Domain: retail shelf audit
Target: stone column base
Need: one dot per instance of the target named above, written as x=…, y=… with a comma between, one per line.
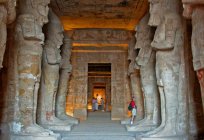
x=33, y=137
x=125, y=121
x=140, y=128
x=164, y=138
x=58, y=127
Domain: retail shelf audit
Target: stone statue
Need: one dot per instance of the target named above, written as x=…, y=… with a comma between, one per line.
x=145, y=59
x=136, y=90
x=28, y=40
x=50, y=76
x=168, y=43
x=7, y=16
x=65, y=71
x=194, y=9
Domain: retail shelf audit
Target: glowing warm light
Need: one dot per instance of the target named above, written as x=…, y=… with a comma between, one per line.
x=97, y=45
x=69, y=113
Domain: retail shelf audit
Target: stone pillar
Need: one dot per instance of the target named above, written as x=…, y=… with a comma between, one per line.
x=145, y=61
x=108, y=94
x=50, y=76
x=168, y=43
x=65, y=71
x=7, y=16
x=135, y=85
x=28, y=40
x=194, y=9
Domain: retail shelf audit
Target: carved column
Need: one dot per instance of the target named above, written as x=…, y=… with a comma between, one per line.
x=145, y=61
x=7, y=16
x=194, y=9
x=28, y=40
x=50, y=76
x=65, y=72
x=135, y=85
x=168, y=43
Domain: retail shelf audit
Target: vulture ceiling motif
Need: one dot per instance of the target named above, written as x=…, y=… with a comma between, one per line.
x=116, y=14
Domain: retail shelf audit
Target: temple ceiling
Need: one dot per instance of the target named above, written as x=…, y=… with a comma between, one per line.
x=114, y=14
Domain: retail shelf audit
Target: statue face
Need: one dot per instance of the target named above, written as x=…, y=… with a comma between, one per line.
x=59, y=39
x=139, y=40
x=155, y=12
x=41, y=10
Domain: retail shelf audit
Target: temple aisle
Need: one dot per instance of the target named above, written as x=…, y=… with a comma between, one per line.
x=98, y=126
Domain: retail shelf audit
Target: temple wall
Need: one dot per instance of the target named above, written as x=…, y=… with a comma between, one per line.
x=78, y=87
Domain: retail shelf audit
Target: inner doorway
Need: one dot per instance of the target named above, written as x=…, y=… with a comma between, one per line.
x=99, y=86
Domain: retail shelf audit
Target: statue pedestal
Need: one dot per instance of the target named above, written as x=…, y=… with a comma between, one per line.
x=69, y=119
x=164, y=138
x=140, y=128
x=58, y=127
x=125, y=121
x=33, y=137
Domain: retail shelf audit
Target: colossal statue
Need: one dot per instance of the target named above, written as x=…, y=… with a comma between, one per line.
x=194, y=9
x=50, y=76
x=65, y=72
x=145, y=59
x=168, y=43
x=136, y=91
x=28, y=40
x=7, y=16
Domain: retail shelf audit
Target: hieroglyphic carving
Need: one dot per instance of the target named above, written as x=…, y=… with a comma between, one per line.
x=7, y=16
x=28, y=40
x=107, y=35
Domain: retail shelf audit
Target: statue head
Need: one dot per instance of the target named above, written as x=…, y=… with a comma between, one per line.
x=144, y=37
x=156, y=11
x=67, y=46
x=54, y=30
x=38, y=8
x=143, y=32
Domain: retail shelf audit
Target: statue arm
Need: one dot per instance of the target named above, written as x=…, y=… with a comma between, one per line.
x=11, y=10
x=188, y=10
x=193, y=1
x=51, y=55
x=168, y=42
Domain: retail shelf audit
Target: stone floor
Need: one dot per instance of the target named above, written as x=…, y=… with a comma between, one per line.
x=98, y=126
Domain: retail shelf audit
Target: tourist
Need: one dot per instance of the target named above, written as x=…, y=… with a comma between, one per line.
x=133, y=111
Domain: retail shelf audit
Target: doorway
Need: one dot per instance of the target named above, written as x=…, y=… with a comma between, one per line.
x=99, y=86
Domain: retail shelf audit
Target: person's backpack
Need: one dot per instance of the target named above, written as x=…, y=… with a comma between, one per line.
x=130, y=107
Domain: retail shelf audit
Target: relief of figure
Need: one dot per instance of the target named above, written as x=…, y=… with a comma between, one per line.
x=135, y=85
x=50, y=76
x=145, y=60
x=194, y=9
x=28, y=40
x=7, y=16
x=65, y=72
x=168, y=43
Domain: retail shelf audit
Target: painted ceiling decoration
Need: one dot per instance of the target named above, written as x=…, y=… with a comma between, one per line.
x=115, y=14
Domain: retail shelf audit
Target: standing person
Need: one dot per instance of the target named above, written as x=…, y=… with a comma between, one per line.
x=96, y=104
x=102, y=104
x=93, y=104
x=133, y=111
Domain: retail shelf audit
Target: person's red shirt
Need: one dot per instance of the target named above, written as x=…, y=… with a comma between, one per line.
x=133, y=104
